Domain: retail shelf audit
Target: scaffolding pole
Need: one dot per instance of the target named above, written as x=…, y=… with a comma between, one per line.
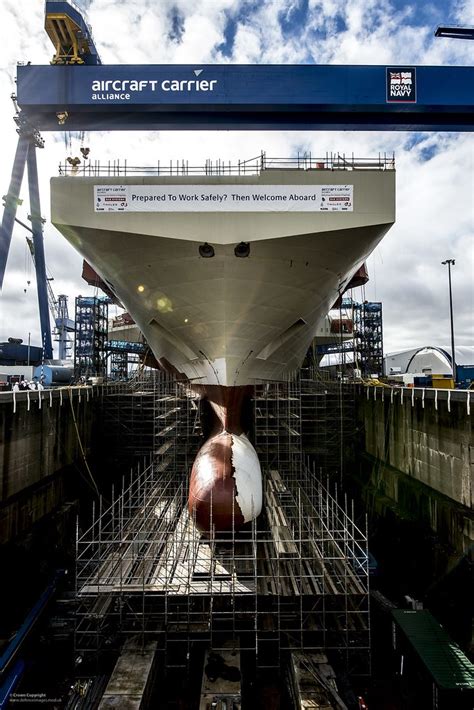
x=296, y=579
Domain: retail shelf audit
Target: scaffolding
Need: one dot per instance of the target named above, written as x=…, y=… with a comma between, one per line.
x=90, y=356
x=119, y=365
x=328, y=421
x=277, y=424
x=64, y=326
x=368, y=338
x=150, y=413
x=295, y=579
x=123, y=355
x=252, y=166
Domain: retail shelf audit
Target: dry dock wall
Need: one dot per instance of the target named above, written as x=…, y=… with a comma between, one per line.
x=41, y=434
x=419, y=458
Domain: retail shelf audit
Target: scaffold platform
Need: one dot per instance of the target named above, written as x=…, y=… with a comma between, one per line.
x=294, y=579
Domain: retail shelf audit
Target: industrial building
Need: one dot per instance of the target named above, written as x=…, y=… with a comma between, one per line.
x=431, y=360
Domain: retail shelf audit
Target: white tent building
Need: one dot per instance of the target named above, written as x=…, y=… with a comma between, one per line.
x=428, y=360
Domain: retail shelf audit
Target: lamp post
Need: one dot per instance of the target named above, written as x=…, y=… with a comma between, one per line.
x=455, y=32
x=453, y=360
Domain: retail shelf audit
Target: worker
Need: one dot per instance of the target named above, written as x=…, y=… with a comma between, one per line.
x=16, y=387
x=32, y=385
x=40, y=386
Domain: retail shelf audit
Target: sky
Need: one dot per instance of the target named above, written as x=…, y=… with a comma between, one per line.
x=435, y=171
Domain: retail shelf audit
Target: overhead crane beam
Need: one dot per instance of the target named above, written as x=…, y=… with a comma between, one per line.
x=247, y=97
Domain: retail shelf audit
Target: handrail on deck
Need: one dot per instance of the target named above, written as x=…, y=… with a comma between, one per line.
x=221, y=168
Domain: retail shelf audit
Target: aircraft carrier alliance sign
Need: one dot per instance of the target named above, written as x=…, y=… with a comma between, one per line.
x=223, y=198
x=246, y=97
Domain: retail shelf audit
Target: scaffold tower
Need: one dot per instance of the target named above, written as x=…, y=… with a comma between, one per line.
x=119, y=365
x=368, y=338
x=90, y=356
x=328, y=421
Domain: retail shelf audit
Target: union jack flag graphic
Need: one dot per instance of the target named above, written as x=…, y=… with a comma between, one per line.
x=401, y=84
x=400, y=77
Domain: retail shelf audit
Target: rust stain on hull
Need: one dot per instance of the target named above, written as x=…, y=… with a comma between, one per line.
x=227, y=404
x=214, y=500
x=212, y=489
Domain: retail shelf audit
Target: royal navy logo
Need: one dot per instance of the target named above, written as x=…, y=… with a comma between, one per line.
x=401, y=84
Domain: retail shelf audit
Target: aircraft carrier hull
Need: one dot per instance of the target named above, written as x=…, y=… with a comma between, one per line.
x=227, y=297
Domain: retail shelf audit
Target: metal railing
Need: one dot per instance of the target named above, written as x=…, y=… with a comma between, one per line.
x=221, y=168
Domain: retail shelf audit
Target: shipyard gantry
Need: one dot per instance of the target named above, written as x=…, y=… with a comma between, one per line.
x=288, y=591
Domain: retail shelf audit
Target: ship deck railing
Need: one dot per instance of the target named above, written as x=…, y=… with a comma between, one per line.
x=222, y=168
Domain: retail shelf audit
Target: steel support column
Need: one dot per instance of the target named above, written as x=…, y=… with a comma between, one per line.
x=11, y=202
x=37, y=228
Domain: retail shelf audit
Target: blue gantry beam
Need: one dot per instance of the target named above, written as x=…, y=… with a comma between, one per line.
x=238, y=97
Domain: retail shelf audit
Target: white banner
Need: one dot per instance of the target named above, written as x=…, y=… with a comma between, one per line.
x=223, y=198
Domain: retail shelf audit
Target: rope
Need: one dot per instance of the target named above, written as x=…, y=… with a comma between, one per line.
x=80, y=444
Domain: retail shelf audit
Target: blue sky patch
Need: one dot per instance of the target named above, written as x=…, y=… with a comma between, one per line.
x=329, y=27
x=244, y=16
x=293, y=20
x=414, y=139
x=422, y=145
x=423, y=13
x=177, y=25
x=227, y=46
x=428, y=151
x=340, y=24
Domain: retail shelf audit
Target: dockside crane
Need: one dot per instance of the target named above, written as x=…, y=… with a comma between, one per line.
x=57, y=306
x=29, y=139
x=59, y=311
x=70, y=33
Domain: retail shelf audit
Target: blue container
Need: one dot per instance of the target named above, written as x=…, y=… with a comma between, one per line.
x=465, y=375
